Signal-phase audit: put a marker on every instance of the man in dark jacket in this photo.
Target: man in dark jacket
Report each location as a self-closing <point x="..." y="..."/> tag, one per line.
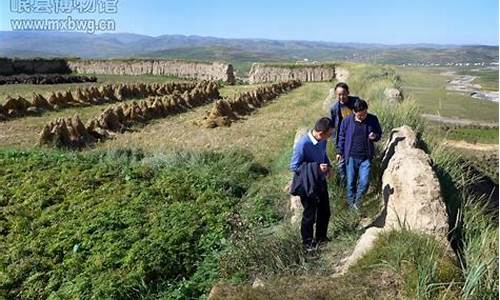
<point x="357" y="134"/>
<point x="311" y="165"/>
<point x="339" y="111"/>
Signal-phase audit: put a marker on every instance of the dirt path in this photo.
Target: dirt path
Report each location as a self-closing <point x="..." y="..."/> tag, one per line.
<point x="457" y="121"/>
<point x="469" y="146"/>
<point x="464" y="84"/>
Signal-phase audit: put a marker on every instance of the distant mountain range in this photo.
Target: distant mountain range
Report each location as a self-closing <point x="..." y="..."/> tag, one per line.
<point x="238" y="51"/>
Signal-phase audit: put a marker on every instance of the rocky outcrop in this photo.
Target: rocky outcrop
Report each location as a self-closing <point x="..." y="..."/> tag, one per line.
<point x="177" y="68"/>
<point x="224" y="112"/>
<point x="342" y="74"/>
<point x="411" y="194"/>
<point x="33" y="66"/>
<point x="71" y="133"/>
<point x="393" y="94"/>
<point x="411" y="189"/>
<point x="282" y="72"/>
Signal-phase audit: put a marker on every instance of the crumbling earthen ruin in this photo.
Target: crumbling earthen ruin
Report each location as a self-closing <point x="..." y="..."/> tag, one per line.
<point x="411" y="194"/>
<point x="157" y="67"/>
<point x="282" y="72"/>
<point x="224" y="111"/>
<point x="178" y="68"/>
<point x="71" y="133"/>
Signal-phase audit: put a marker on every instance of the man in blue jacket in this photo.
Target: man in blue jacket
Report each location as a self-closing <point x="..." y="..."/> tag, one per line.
<point x="357" y="134"/>
<point x="310" y="163"/>
<point x="339" y="111"/>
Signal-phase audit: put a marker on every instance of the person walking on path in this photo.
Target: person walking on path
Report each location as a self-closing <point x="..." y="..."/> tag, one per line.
<point x="357" y="134"/>
<point x="339" y="111"/>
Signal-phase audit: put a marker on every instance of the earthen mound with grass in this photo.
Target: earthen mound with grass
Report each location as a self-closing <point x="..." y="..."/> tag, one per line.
<point x="411" y="194"/>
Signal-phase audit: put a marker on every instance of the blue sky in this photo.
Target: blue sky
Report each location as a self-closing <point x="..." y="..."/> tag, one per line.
<point x="375" y="21"/>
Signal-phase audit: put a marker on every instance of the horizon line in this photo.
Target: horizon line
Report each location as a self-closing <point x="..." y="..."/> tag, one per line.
<point x="253" y="38"/>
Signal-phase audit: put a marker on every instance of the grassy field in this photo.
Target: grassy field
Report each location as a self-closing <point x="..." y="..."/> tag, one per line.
<point x="487" y="78"/>
<point x="179" y="132"/>
<point x="402" y="265"/>
<point x="427" y="85"/>
<point x="114" y="226"/>
<point x="171" y="208"/>
<point x="467" y="134"/>
<point x="141" y="184"/>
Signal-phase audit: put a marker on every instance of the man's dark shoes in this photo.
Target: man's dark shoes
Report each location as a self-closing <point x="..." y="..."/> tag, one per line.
<point x="310" y="247"/>
<point x="322" y="241"/>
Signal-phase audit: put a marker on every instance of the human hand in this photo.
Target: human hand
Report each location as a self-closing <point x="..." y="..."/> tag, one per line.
<point x="372" y="136"/>
<point x="324" y="168"/>
<point x="338" y="157"/>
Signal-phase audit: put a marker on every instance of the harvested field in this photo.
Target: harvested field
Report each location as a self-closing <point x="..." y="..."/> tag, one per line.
<point x="71" y="132"/>
<point x="224" y="112"/>
<point x="298" y="108"/>
<point x="20" y="107"/>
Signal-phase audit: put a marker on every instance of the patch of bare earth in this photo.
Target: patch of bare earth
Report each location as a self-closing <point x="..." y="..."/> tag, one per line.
<point x="370" y="284"/>
<point x="470" y="146"/>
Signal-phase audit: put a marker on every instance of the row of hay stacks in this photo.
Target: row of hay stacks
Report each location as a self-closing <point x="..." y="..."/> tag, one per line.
<point x="224" y="111"/>
<point x="19" y="107"/>
<point x="72" y="133"/>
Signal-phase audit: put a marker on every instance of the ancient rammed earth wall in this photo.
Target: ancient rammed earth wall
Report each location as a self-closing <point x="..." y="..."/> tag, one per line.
<point x="186" y="69"/>
<point x="33" y="66"/>
<point x="282" y="72"/>
<point x="178" y="68"/>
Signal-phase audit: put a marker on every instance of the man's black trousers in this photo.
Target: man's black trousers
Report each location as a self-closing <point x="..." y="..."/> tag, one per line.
<point x="316" y="210"/>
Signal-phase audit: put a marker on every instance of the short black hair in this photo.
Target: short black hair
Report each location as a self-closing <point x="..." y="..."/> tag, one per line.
<point x="342" y="85"/>
<point x="360" y="105"/>
<point x="323" y="124"/>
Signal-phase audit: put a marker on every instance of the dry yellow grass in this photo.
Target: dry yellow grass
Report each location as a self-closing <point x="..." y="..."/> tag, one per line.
<point x="263" y="132"/>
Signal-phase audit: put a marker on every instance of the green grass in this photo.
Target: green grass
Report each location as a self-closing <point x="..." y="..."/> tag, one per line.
<point x="124" y="224"/>
<point x="116" y="225"/>
<point x="467" y="134"/>
<point x="271" y="253"/>
<point x="427" y="88"/>
<point x="475" y="231"/>
<point x="403" y="264"/>
<point x="480" y="253"/>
